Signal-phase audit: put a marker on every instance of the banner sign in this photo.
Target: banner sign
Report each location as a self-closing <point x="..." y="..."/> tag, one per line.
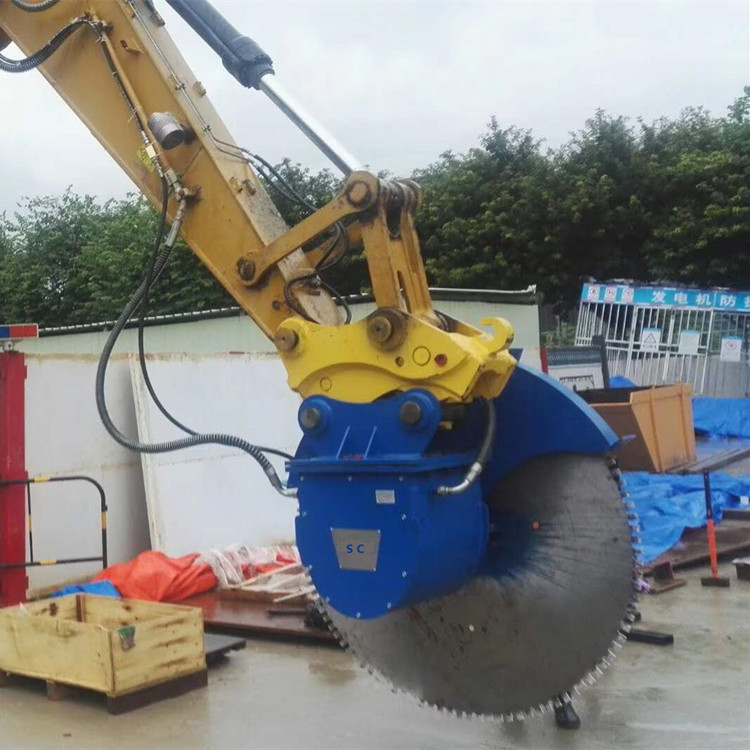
<point x="658" y="296"/>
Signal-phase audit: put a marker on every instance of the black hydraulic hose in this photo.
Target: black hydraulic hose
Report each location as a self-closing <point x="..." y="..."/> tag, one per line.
<point x="34" y="7"/>
<point x="230" y="441"/>
<point x="482" y="457"/>
<point x="168" y="446"/>
<point x="489" y="433"/>
<point x="144" y="311"/>
<point x="150" y="280"/>
<point x="33" y="61"/>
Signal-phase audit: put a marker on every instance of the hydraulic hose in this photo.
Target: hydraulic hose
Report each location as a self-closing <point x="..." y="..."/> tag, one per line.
<point x="34" y="7"/>
<point x="230" y="441"/>
<point x="482" y="457"/>
<point x="32" y="61"/>
<point x="150" y="280"/>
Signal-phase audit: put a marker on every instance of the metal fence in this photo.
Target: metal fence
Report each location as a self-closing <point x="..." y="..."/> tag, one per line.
<point x="662" y="335"/>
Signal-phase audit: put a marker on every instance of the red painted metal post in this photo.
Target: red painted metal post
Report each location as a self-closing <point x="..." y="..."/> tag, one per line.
<point x="13" y="583"/>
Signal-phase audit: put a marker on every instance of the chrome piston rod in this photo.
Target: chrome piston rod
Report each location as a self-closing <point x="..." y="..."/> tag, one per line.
<point x="253" y="68"/>
<point x="319" y="135"/>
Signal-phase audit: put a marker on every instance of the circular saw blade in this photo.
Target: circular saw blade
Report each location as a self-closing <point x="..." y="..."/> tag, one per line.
<point x="540" y="618"/>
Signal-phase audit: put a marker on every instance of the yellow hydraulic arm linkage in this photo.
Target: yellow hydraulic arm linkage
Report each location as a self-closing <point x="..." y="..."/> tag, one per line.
<point x="116" y="66"/>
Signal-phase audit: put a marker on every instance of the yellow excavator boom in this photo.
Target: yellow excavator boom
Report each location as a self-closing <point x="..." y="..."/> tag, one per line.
<point x="116" y="66"/>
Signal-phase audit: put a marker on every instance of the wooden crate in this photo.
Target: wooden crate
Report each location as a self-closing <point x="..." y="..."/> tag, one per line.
<point x="659" y="420"/>
<point x="134" y="652"/>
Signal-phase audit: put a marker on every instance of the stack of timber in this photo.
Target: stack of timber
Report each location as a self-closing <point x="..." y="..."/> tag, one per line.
<point x="289" y="584"/>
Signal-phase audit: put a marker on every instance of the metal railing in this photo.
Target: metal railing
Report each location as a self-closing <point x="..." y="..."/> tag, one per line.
<point x="29" y="521"/>
<point x="659" y="336"/>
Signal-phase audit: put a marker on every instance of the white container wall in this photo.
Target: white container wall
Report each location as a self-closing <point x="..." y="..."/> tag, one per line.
<point x="65" y="436"/>
<point x="211" y="496"/>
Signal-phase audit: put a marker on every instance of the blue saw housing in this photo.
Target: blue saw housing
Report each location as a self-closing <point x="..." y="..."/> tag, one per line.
<point x="371" y="526"/>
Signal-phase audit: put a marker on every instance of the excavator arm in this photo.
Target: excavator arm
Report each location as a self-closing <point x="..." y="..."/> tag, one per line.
<point x="460" y="515"/>
<point x="122" y="74"/>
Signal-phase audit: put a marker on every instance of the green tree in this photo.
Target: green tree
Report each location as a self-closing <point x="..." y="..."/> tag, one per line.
<point x="699" y="197"/>
<point x="68" y="260"/>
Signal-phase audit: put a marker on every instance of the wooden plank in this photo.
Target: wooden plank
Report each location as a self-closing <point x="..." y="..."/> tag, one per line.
<point x="736" y="514"/>
<point x="63" y="608"/>
<point x="55" y="649"/>
<point x="287" y="581"/>
<point x="114" y="613"/>
<point x="162" y="649"/>
<point x="714" y="462"/>
<point x="288" y="568"/>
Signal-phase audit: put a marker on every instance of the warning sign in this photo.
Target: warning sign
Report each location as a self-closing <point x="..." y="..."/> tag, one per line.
<point x="592" y="293"/>
<point x="731" y="349"/>
<point x="650" y="339"/>
<point x="689" y="342"/>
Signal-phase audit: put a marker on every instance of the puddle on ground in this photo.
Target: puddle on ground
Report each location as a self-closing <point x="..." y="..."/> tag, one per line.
<point x="331" y="674"/>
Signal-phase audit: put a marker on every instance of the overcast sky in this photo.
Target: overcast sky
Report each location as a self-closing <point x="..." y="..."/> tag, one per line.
<point x="400" y="82"/>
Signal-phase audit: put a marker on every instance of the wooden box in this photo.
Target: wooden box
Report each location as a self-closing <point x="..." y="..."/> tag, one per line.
<point x="658" y="421"/>
<point x="120" y="647"/>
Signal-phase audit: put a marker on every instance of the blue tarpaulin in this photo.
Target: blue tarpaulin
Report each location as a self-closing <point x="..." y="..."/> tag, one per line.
<point x="100" y="588"/>
<point x="618" y="381"/>
<point x="667" y="504"/>
<point x="722" y="417"/>
<point x="714" y="417"/>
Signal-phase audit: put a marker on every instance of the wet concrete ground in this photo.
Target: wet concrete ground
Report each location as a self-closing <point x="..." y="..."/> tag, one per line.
<point x="695" y="694"/>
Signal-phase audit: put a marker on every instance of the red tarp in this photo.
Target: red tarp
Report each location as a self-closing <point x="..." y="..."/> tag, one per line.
<point x="157" y="578"/>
